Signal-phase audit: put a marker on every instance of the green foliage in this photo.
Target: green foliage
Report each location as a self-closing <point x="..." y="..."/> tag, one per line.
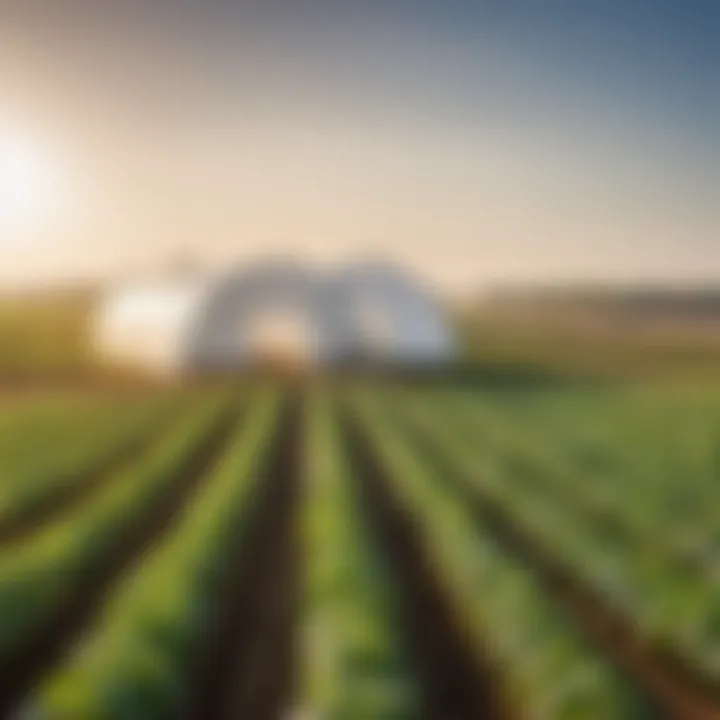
<point x="137" y="663"/>
<point x="551" y="671"/>
<point x="617" y="482"/>
<point x="40" y="572"/>
<point x="43" y="454"/>
<point x="620" y="486"/>
<point x="355" y="662"/>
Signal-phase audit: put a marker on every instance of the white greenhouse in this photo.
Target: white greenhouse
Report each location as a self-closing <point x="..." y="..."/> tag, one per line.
<point x="364" y="312"/>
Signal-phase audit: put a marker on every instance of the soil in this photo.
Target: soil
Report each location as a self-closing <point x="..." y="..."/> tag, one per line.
<point x="86" y="481"/>
<point x="246" y="670"/>
<point x="49" y="642"/>
<point x="670" y="686"/>
<point x="457" y="681"/>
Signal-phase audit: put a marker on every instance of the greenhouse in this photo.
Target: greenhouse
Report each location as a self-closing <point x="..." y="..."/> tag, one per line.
<point x="273" y="312"/>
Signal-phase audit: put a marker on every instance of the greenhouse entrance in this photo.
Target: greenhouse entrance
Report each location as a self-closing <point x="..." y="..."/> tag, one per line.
<point x="282" y="340"/>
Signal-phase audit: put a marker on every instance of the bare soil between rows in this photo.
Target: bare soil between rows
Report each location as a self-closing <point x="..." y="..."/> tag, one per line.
<point x="248" y="663"/>
<point x="49" y="642"/>
<point x="671" y="687"/>
<point x="85" y="482"/>
<point x="247" y="667"/>
<point x="458" y="682"/>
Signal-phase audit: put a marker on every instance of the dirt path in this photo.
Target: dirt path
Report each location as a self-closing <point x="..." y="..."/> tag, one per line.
<point x="47" y="645"/>
<point x="247" y="670"/>
<point x="457" y="682"/>
<point x="672" y="687"/>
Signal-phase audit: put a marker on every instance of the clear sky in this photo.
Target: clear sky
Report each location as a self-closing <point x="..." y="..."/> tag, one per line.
<point x="475" y="141"/>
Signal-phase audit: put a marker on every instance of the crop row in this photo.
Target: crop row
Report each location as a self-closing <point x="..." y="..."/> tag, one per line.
<point x="45" y="467"/>
<point x="550" y="670"/>
<point x="139" y="659"/>
<point x="670" y="596"/>
<point x="355" y="661"/>
<point x="151" y="563"/>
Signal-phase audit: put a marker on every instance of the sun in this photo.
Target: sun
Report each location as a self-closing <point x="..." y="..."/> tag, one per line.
<point x="27" y="188"/>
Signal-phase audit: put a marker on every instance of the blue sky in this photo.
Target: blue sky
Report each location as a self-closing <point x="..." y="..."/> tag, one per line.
<point x="478" y="141"/>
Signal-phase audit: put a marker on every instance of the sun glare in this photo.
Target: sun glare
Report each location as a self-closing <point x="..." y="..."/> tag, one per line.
<point x="27" y="191"/>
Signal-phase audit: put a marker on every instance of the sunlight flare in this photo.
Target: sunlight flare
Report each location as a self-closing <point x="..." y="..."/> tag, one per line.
<point x="29" y="190"/>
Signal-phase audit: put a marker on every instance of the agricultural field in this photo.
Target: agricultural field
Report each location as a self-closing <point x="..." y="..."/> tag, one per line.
<point x="361" y="549"/>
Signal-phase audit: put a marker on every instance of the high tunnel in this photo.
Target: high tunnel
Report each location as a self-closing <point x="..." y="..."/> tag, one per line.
<point x="363" y="312"/>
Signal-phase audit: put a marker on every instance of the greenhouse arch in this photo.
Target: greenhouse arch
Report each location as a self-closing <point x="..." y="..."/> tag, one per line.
<point x="363" y="312"/>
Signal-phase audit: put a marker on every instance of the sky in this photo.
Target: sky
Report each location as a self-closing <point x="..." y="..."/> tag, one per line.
<point x="476" y="142"/>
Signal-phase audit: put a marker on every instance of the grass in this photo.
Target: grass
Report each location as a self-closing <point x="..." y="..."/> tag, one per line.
<point x="45" y="335"/>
